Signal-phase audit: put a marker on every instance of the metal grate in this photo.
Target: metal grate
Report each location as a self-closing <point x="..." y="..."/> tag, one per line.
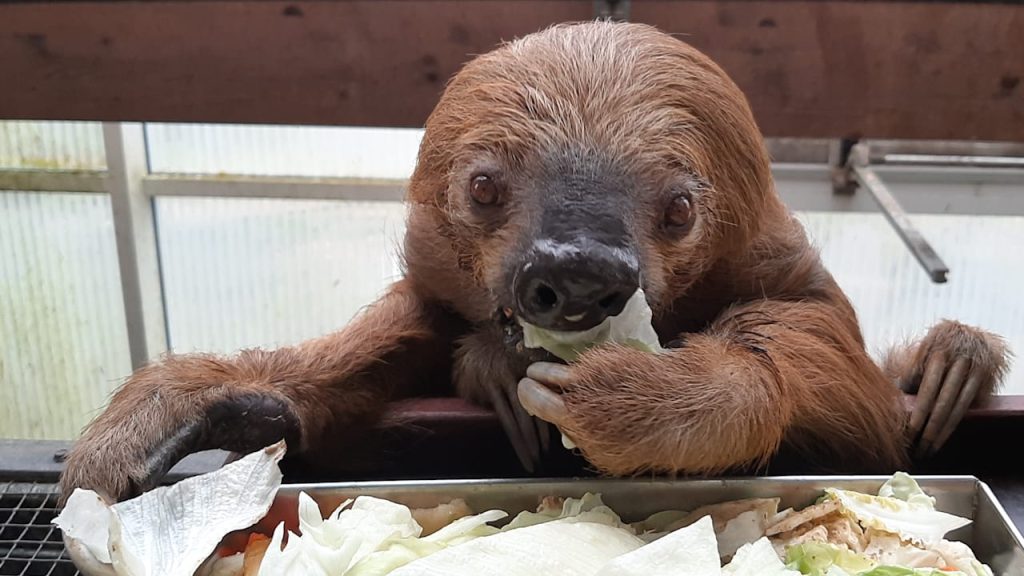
<point x="29" y="543"/>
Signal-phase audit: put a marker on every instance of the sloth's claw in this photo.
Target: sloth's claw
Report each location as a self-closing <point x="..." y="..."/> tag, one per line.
<point x="523" y="432"/>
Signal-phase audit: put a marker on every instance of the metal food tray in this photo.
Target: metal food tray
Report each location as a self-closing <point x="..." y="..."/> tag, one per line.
<point x="992" y="535"/>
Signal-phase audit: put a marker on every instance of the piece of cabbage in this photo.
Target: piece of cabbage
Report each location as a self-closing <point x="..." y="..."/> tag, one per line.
<point x="590" y="506"/>
<point x="575" y="546"/>
<point x="365" y="536"/>
<point x="757" y="559"/>
<point x="823" y="559"/>
<point x="689" y="551"/>
<point x="403" y="551"/>
<point x="902" y="486"/>
<point x="171" y="530"/>
<point x="631" y="327"/>
<point x="915" y="520"/>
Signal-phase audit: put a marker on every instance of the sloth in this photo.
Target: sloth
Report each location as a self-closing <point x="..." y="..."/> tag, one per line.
<point x="558" y="175"/>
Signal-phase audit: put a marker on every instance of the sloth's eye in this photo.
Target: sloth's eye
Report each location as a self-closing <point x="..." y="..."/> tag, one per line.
<point x="484" y="190"/>
<point x="679" y="212"/>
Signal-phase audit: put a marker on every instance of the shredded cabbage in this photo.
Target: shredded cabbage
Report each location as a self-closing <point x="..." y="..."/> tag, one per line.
<point x="757" y="559"/>
<point x="914" y="520"/>
<point x="690" y="551"/>
<point x="366" y="536"/>
<point x="632" y="327"/>
<point x="817" y="558"/>
<point x="590" y="507"/>
<point x="568" y="546"/>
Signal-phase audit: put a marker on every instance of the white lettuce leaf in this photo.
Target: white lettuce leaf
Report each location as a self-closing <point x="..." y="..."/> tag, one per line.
<point x="917" y="521"/>
<point x="590" y="506"/>
<point x="757" y="559"/>
<point x="632" y="327"/>
<point x="689" y="551"/>
<point x="405" y="550"/>
<point x="575" y="546"/>
<point x="366" y="536"/>
<point x="172" y="530"/>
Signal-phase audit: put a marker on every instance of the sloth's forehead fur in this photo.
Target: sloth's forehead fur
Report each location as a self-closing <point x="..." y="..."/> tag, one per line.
<point x="613" y="102"/>
<point x="625" y="91"/>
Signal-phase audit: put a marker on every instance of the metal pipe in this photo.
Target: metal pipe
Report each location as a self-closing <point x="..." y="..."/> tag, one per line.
<point x="952" y="160"/>
<point x="922" y="250"/>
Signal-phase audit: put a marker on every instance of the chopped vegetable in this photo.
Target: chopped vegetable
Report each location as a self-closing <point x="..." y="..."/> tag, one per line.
<point x="757" y="559"/>
<point x="818" y="558"/>
<point x="915" y="521"/>
<point x="690" y="551"/>
<point x="632" y="327"/>
<point x="568" y="546"/>
<point x="363" y="536"/>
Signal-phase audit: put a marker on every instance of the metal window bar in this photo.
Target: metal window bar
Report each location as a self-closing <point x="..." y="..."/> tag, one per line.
<point x="29" y="543"/>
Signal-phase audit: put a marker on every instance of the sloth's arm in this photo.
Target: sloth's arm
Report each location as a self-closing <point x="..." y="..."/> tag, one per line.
<point x="761" y="375"/>
<point x="304" y="394"/>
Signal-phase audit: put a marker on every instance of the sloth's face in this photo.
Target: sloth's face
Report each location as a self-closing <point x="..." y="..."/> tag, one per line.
<point x="568" y="169"/>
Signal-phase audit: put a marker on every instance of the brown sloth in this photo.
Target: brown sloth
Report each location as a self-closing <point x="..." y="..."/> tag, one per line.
<point x="557" y="175"/>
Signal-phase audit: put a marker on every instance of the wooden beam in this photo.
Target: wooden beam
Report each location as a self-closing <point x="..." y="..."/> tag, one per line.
<point x="358" y="63"/>
<point x="908" y="70"/>
<point x="904" y="70"/>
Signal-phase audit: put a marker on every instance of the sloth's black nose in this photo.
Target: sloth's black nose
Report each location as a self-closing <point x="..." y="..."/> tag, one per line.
<point x="569" y="288"/>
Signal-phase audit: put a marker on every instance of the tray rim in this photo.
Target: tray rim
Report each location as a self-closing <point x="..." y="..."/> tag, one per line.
<point x="980" y="487"/>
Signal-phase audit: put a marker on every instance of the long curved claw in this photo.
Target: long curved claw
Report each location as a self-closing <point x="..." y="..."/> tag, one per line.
<point x="950" y="390"/>
<point x="543" y="432"/>
<point x="523" y="438"/>
<point x="968" y="393"/>
<point x="931" y="382"/>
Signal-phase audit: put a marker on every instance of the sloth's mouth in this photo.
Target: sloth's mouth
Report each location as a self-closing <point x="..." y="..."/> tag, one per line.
<point x="513" y="335"/>
<point x="513" y="332"/>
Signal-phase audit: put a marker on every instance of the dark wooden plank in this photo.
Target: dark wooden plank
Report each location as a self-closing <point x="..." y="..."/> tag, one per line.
<point x="912" y="70"/>
<point x="873" y="69"/>
<point x="373" y="63"/>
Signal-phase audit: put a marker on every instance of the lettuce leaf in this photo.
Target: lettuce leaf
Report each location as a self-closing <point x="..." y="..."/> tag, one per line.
<point x="570" y="546"/>
<point x="757" y="559"/>
<point x="590" y="507"/>
<point x="902" y="486"/>
<point x="817" y="558"/>
<point x="913" y="520"/>
<point x="632" y="327"/>
<point x="367" y="537"/>
<point x="690" y="551"/>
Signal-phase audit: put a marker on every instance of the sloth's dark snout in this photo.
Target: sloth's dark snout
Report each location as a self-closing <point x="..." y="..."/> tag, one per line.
<point x="571" y="287"/>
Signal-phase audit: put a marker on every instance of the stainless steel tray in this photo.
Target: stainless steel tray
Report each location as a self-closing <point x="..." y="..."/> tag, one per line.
<point x="992" y="535"/>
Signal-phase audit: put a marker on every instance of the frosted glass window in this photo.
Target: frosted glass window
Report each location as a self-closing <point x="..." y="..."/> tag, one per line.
<point x="893" y="295"/>
<point x="283" y="150"/>
<point x="51" y="145"/>
<point x="256" y="272"/>
<point x="63" y="345"/>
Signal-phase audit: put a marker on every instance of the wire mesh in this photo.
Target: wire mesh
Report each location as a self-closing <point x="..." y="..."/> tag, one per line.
<point x="29" y="543"/>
